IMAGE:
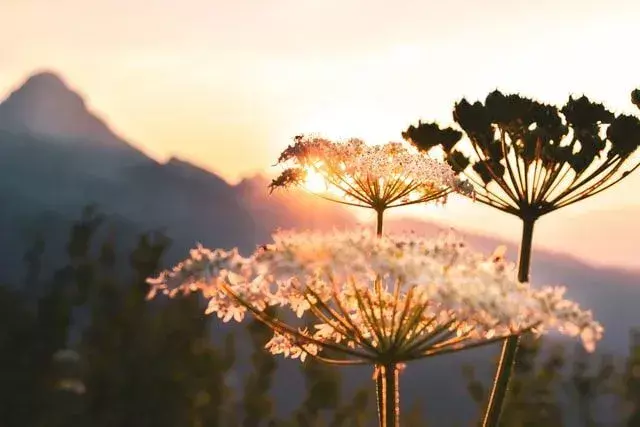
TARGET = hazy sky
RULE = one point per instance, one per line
(227, 83)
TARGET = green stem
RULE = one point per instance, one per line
(388, 391)
(510, 346)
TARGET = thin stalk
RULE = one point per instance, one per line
(524, 259)
(506, 363)
(387, 386)
(380, 381)
(379, 217)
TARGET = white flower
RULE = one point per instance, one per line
(400, 297)
(376, 176)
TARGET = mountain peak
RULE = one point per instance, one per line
(43, 92)
(45, 79)
(46, 107)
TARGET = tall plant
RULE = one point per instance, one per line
(373, 299)
(380, 301)
(528, 159)
(371, 177)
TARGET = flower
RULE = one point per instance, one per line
(528, 158)
(392, 298)
(374, 176)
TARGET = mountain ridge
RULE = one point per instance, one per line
(193, 204)
(44, 106)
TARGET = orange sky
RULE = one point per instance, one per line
(227, 83)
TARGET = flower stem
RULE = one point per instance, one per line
(388, 392)
(379, 379)
(524, 261)
(510, 346)
(379, 217)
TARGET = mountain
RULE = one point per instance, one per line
(56, 156)
(289, 209)
(44, 106)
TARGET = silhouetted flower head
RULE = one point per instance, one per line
(393, 298)
(375, 176)
(635, 97)
(529, 158)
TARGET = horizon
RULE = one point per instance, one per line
(190, 84)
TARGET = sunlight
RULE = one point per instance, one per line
(315, 182)
(351, 121)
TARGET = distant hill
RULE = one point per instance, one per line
(56, 156)
(583, 234)
(45, 106)
(290, 209)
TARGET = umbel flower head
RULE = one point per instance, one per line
(373, 176)
(528, 158)
(374, 300)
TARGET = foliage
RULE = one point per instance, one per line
(94, 353)
(557, 388)
(258, 405)
(631, 381)
(133, 364)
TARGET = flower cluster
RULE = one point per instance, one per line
(378, 176)
(528, 158)
(395, 297)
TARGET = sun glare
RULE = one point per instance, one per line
(315, 182)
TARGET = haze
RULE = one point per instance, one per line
(226, 84)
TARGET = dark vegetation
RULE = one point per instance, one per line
(87, 349)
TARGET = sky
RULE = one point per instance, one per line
(226, 84)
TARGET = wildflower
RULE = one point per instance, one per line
(376, 177)
(374, 300)
(529, 159)
(371, 299)
(372, 176)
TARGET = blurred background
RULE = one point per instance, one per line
(129, 131)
